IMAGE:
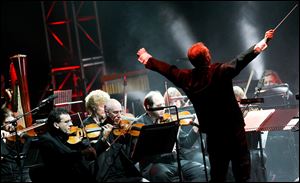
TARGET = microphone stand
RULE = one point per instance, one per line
(177, 147)
(20, 156)
(203, 153)
(258, 90)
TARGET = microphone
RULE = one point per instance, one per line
(156, 108)
(252, 100)
(178, 97)
(50, 98)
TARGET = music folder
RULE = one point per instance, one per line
(155, 139)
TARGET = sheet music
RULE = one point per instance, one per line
(271, 119)
(254, 119)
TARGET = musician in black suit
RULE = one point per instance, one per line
(209, 87)
(12, 159)
(61, 161)
(115, 164)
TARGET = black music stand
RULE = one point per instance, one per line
(155, 139)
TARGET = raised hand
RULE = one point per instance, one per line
(269, 34)
(262, 45)
(143, 56)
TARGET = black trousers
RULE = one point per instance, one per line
(226, 146)
(167, 171)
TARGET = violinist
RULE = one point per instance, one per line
(115, 165)
(163, 167)
(94, 103)
(174, 97)
(11, 165)
(61, 162)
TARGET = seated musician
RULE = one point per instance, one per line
(164, 167)
(282, 147)
(10, 164)
(258, 172)
(115, 165)
(174, 97)
(61, 161)
(94, 103)
(275, 93)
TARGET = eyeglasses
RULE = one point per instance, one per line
(68, 122)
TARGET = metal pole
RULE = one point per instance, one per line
(48, 45)
(75, 22)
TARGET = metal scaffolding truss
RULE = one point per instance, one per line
(74, 45)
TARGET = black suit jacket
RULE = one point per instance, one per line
(210, 90)
(61, 163)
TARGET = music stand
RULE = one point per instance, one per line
(255, 119)
(280, 120)
(155, 139)
(269, 120)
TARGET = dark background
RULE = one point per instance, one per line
(166, 29)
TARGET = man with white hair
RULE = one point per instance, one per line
(114, 164)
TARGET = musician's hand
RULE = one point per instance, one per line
(269, 35)
(262, 45)
(106, 131)
(143, 56)
(4, 134)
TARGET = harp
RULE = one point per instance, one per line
(19, 85)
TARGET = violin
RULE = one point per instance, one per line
(185, 117)
(90, 131)
(126, 127)
(20, 129)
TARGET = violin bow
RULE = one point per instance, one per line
(248, 83)
(168, 96)
(84, 130)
